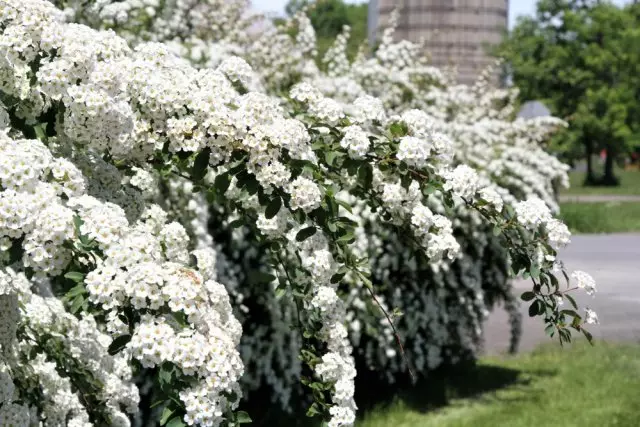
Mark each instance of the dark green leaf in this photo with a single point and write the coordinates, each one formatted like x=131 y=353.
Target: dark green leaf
x=201 y=164
x=305 y=233
x=365 y=175
x=119 y=344
x=273 y=207
x=537 y=307
x=527 y=296
x=222 y=182
x=237 y=223
x=257 y=277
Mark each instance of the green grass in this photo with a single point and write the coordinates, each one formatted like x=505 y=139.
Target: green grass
x=629 y=184
x=607 y=217
x=581 y=386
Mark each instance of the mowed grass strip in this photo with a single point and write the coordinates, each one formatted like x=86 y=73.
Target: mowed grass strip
x=601 y=217
x=575 y=386
x=629 y=184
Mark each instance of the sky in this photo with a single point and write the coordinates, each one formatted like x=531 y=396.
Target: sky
x=516 y=7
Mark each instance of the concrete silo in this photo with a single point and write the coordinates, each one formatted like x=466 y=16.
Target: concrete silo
x=456 y=32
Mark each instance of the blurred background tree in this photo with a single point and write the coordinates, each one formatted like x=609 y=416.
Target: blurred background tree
x=328 y=17
x=581 y=57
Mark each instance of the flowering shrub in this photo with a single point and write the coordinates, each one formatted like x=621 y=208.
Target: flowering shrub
x=133 y=184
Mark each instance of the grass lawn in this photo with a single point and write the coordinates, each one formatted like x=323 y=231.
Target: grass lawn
x=629 y=184
x=607 y=217
x=579 y=386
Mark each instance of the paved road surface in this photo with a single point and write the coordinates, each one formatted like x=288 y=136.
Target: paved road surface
x=614 y=262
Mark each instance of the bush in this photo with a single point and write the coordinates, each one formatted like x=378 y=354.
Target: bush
x=346 y=211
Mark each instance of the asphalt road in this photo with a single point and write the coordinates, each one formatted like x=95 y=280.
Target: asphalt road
x=614 y=262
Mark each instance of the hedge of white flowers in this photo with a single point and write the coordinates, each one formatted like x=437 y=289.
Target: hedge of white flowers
x=191 y=209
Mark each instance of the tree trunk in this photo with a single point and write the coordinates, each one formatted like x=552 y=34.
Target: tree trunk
x=590 y=179
x=609 y=177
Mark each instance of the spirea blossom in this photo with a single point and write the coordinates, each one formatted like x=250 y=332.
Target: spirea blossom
x=305 y=194
x=532 y=212
x=584 y=281
x=414 y=151
x=356 y=142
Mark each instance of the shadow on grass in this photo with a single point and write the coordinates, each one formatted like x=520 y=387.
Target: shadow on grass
x=477 y=381
x=439 y=389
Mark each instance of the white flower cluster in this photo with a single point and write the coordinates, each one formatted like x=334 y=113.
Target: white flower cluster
x=584 y=281
x=98 y=192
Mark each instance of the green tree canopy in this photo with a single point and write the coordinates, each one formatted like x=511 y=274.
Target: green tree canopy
x=581 y=58
x=328 y=17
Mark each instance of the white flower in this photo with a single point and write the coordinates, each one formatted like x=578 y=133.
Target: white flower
x=355 y=141
x=591 y=317
x=532 y=212
x=491 y=196
x=463 y=181
x=559 y=234
x=414 y=151
x=584 y=281
x=305 y=194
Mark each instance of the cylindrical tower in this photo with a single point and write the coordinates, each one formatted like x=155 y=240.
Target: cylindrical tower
x=456 y=32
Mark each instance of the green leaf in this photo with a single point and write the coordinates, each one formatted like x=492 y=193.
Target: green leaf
x=587 y=335
x=77 y=222
x=535 y=271
x=165 y=374
x=365 y=175
x=347 y=237
x=273 y=207
x=398 y=129
x=571 y=301
x=176 y=422
x=280 y=292
x=570 y=313
x=537 y=307
x=222 y=182
x=527 y=296
x=40 y=131
x=305 y=233
x=257 y=277
x=166 y=415
x=242 y=417
x=345 y=205
x=118 y=344
x=76 y=276
x=330 y=156
x=77 y=304
x=550 y=330
x=200 y=164
x=75 y=291
x=313 y=410
x=336 y=278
